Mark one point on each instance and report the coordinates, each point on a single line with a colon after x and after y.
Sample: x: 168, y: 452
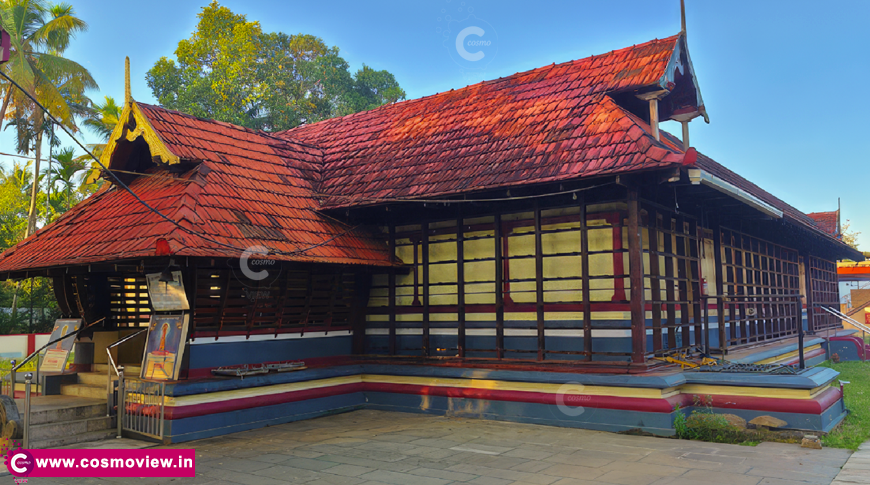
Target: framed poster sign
x: 167, y: 296
x: 54, y: 357
x: 164, y: 347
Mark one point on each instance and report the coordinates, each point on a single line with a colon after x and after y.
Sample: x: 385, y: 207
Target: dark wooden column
x: 424, y: 247
x: 499, y: 289
x: 720, y: 287
x: 635, y: 265
x: 460, y: 284
x: 392, y: 291
x: 362, y: 288
x: 539, y: 281
x: 586, y: 290
x: 808, y: 282
x: 655, y: 281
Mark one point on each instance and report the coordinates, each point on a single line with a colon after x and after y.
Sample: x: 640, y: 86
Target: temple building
x: 503, y: 250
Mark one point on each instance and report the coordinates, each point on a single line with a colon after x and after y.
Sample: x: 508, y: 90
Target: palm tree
x: 39, y: 35
x: 103, y: 121
x: 64, y: 172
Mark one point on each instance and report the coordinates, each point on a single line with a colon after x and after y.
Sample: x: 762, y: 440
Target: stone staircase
x: 77, y: 415
x: 93, y: 384
x: 64, y: 420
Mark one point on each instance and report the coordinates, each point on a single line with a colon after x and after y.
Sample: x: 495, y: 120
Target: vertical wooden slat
x: 362, y: 288
x: 586, y: 289
x: 425, y: 262
x: 499, y: 289
x: 808, y: 283
x: 460, y: 284
x: 635, y: 269
x: 720, y: 307
x: 683, y: 281
x: 701, y: 336
x: 539, y: 281
x: 654, y: 282
x: 392, y: 290
x: 671, y: 307
x: 219, y: 316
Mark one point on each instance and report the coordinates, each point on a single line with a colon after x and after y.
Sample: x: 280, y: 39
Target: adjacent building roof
x: 549, y: 124
x: 828, y: 222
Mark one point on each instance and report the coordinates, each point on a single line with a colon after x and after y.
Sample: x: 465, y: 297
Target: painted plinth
x: 211, y: 407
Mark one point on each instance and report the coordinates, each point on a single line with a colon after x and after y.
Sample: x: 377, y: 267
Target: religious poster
x: 54, y: 357
x: 167, y: 296
x: 164, y: 347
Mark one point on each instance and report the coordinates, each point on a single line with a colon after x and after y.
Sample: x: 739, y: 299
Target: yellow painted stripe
x: 569, y: 389
x: 259, y: 391
x: 787, y: 356
x: 472, y: 383
x: 704, y: 390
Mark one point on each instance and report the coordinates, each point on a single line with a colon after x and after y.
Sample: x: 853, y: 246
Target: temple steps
x: 65, y: 420
x: 84, y: 390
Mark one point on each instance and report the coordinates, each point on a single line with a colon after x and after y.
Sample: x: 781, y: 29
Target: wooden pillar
x: 460, y: 284
x: 586, y: 290
x: 499, y: 289
x: 720, y: 290
x: 539, y: 281
x: 655, y: 282
x: 425, y: 262
x: 808, y: 282
x: 635, y: 265
x: 362, y: 288
x: 392, y: 291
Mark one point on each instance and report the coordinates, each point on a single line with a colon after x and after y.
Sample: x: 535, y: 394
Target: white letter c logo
x: 14, y: 463
x: 460, y: 41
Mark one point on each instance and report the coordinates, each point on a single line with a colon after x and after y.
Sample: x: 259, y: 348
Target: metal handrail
x: 845, y: 318
x: 62, y: 337
x: 118, y: 373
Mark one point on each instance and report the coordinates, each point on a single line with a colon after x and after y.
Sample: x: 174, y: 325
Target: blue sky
x: 783, y: 81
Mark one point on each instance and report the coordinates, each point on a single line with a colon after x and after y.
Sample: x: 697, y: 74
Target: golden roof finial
x: 128, y: 98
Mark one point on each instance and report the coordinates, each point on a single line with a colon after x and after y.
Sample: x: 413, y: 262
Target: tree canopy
x: 232, y: 71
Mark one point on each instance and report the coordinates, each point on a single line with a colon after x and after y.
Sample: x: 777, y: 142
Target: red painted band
x: 813, y: 406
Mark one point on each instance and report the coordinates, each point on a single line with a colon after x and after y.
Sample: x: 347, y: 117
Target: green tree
x: 103, y: 120
x: 40, y: 33
x: 63, y: 173
x: 232, y: 71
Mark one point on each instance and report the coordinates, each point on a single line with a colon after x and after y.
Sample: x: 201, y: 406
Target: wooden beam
x: 539, y: 281
x: 586, y: 290
x: 460, y: 283
x: 720, y: 307
x: 655, y: 288
x: 392, y: 290
x: 499, y: 289
x: 425, y: 262
x: 635, y: 265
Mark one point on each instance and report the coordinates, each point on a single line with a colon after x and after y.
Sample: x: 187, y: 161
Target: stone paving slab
x: 376, y: 448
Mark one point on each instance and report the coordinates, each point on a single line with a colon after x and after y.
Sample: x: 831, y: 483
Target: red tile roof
x: 826, y: 221
x: 252, y: 188
x: 249, y: 189
x: 549, y: 124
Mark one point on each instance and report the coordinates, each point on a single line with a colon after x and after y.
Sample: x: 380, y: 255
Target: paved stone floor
x: 376, y: 448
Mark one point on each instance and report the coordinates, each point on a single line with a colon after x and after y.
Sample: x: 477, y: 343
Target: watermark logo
x: 257, y: 271
x: 471, y: 42
x: 20, y: 463
x: 570, y: 400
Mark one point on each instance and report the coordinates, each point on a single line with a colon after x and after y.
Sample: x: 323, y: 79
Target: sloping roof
x: 826, y: 221
x: 790, y: 213
x: 549, y: 124
x: 249, y: 189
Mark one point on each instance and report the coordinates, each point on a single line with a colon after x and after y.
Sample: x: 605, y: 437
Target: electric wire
x: 296, y: 252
